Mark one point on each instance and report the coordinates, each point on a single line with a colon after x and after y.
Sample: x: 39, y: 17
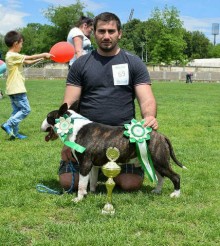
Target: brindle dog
x: 97, y: 138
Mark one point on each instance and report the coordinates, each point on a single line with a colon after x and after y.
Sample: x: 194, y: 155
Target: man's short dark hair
x: 107, y: 17
x: 12, y: 37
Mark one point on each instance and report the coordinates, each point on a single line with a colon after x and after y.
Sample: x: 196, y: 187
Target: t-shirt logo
x: 120, y: 74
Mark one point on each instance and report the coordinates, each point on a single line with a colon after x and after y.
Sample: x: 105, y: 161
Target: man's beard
x: 108, y: 48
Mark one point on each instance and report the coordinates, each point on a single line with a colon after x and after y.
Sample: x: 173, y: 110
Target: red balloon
x: 62, y: 51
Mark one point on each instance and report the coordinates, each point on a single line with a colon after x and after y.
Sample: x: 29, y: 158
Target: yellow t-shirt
x: 15, y: 81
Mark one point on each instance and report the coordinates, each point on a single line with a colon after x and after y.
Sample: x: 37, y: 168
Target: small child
x: 15, y: 84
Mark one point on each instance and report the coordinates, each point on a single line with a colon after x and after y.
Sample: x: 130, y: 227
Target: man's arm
x: 72, y: 94
x: 147, y: 105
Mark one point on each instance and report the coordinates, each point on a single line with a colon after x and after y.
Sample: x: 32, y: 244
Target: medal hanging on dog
x: 138, y: 134
x: 64, y: 127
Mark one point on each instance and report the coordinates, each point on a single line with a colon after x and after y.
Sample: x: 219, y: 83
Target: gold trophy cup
x: 110, y: 170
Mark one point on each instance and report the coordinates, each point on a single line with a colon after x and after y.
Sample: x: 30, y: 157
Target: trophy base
x: 108, y: 209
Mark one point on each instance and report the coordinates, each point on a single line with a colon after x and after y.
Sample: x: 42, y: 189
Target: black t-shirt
x: 108, y: 85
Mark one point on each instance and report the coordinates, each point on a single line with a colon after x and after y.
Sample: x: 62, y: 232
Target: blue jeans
x: 21, y: 109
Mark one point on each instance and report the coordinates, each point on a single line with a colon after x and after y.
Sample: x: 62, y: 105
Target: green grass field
x: 189, y: 114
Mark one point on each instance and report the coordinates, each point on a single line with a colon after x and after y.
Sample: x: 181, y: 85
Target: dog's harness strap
x: 79, y: 118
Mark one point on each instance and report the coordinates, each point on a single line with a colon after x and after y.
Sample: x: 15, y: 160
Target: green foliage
x: 200, y: 45
x: 214, y: 51
x: 154, y: 30
x: 38, y: 38
x: 64, y: 18
x: 160, y: 38
x: 168, y: 44
x: 3, y: 47
x: 133, y: 28
x: 187, y: 36
x: 168, y: 18
x: 167, y: 50
x: 187, y: 114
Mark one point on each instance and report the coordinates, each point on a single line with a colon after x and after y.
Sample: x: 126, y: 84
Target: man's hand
x: 151, y: 121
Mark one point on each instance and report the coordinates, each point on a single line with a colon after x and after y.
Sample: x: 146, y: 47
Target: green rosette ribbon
x: 64, y: 127
x: 139, y: 135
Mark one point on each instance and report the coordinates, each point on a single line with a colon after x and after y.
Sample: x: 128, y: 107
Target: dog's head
x: 49, y: 122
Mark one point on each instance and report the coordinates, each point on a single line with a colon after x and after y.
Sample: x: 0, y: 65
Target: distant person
x: 79, y: 37
x: 189, y: 77
x: 15, y: 84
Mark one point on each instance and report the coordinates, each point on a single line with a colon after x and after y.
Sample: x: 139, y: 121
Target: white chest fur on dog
x: 79, y: 122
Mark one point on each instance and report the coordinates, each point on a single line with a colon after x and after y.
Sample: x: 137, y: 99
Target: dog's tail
x: 173, y: 156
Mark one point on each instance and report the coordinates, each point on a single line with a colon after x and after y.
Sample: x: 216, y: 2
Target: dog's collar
x: 79, y: 118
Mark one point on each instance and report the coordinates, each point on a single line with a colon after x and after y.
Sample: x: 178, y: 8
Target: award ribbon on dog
x: 138, y: 134
x: 64, y: 127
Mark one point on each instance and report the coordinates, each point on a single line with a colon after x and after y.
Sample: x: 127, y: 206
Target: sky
x: 197, y: 15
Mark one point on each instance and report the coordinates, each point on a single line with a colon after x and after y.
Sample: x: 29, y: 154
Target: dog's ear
x: 75, y: 106
x: 52, y: 116
x: 63, y: 109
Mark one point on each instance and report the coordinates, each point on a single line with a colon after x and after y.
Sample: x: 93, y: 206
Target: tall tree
x: 63, y: 18
x: 187, y: 36
x: 37, y: 38
x: 200, y: 45
x: 165, y: 32
x: 128, y: 40
x: 214, y: 51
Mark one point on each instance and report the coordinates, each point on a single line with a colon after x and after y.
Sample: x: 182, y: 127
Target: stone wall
x: 167, y: 73
x: 171, y: 73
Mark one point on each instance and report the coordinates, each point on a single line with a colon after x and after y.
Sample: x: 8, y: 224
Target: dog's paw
x: 93, y: 189
x: 77, y: 199
x: 176, y: 193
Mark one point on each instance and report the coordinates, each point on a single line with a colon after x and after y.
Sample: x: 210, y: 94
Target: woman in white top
x: 79, y: 37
